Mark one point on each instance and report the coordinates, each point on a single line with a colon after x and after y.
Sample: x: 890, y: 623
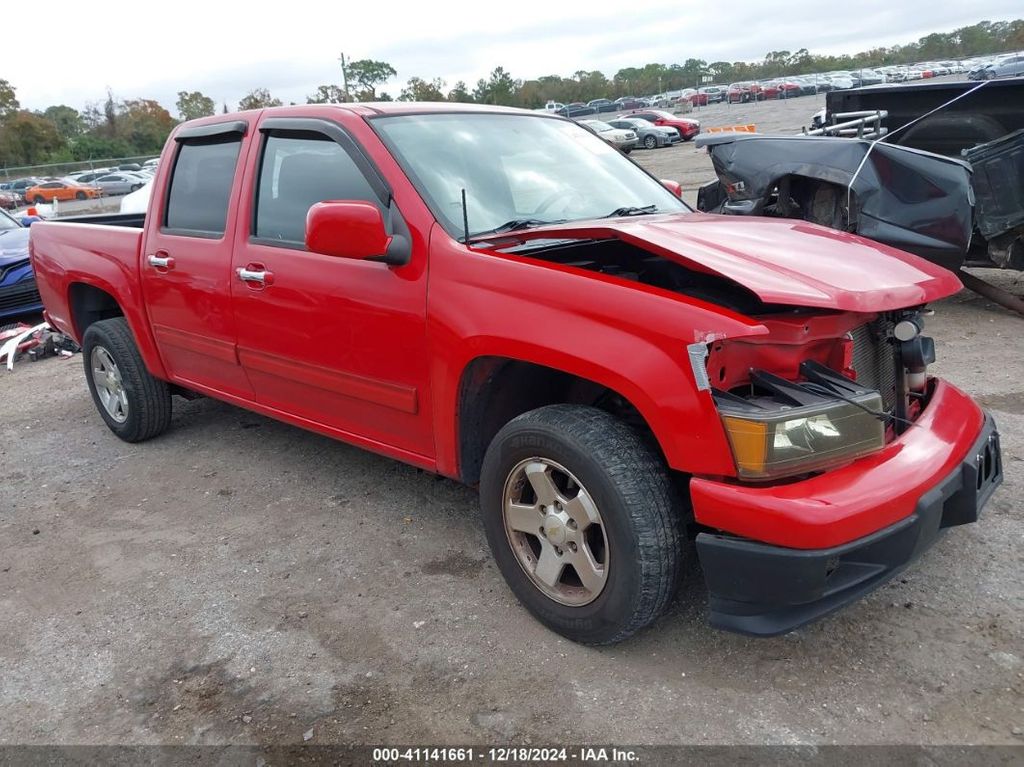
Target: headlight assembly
x: 799, y: 428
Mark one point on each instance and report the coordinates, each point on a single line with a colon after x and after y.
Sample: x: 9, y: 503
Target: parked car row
x: 646, y: 128
x: 790, y: 86
x: 82, y: 185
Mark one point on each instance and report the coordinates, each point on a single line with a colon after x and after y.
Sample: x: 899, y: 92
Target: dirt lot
x: 241, y: 581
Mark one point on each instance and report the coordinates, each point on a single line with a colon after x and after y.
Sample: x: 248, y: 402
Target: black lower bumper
x: 765, y: 590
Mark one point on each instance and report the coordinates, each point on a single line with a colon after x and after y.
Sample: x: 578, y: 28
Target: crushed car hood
x: 782, y: 261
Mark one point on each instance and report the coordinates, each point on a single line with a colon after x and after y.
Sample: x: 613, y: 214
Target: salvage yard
x: 238, y: 580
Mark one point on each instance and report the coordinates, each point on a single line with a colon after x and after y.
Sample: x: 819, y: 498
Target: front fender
x: 621, y: 335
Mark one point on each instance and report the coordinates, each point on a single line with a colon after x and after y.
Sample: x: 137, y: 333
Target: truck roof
x: 379, y: 107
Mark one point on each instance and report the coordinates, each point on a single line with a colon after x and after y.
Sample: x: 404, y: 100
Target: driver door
x: 332, y: 341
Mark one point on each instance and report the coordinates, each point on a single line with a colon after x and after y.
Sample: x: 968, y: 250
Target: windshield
x: 600, y: 127
x: 6, y: 222
x: 516, y: 168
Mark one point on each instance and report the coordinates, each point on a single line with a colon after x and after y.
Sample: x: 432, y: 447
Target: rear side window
x: 300, y: 169
x: 201, y: 186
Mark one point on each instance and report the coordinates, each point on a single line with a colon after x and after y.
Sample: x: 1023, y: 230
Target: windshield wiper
x: 513, y: 225
x: 646, y: 210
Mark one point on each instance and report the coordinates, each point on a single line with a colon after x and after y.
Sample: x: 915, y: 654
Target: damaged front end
x: 912, y: 200
x: 818, y: 392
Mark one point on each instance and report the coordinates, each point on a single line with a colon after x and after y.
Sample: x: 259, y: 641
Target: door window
x: 204, y: 171
x: 297, y: 171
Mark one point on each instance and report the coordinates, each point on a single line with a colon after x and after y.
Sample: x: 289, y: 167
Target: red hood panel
x: 783, y: 261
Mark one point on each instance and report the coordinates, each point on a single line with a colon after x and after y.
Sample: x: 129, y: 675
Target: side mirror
x: 353, y: 229
x: 673, y: 186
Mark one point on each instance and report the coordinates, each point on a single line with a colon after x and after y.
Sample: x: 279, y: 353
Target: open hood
x: 782, y: 261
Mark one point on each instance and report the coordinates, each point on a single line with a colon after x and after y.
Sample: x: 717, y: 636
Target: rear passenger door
x: 186, y: 261
x: 333, y: 341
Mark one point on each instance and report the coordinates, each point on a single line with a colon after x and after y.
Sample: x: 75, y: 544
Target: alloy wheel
x: 109, y: 385
x: 556, y: 531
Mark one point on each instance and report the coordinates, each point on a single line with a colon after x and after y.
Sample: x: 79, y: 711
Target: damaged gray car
x: 919, y: 202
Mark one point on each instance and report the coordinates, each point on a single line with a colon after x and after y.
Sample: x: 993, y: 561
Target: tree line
x: 131, y: 127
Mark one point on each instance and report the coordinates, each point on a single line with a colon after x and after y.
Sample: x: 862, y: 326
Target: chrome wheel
x: 556, y: 531
x: 109, y: 385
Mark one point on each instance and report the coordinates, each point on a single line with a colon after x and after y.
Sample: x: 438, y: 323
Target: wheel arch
x: 95, y: 300
x: 495, y: 388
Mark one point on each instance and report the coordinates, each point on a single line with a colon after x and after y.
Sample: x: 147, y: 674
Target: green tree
x: 258, y: 98
x: 368, y: 75
x: 110, y: 110
x: 499, y: 88
x: 92, y: 116
x: 144, y: 124
x: 28, y: 139
x: 94, y: 147
x: 327, y: 94
x: 193, y: 104
x: 460, y: 93
x: 66, y: 119
x: 8, y: 99
x: 418, y: 89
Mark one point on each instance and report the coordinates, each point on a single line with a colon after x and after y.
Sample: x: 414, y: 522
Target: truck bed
x: 989, y: 113
x: 69, y: 251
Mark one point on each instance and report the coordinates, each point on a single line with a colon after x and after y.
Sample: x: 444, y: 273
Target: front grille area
x: 874, y: 360
x: 23, y: 293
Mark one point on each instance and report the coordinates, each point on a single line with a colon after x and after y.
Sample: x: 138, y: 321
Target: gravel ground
x: 241, y: 581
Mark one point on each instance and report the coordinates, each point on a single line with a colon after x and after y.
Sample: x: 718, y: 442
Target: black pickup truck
x: 945, y: 180
x: 988, y: 113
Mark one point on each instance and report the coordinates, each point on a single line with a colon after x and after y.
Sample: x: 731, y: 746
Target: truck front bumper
x: 762, y: 589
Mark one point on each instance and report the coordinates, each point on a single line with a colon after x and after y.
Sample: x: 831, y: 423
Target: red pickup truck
x: 504, y: 299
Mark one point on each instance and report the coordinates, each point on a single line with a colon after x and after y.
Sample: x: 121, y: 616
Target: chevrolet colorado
x: 500, y: 297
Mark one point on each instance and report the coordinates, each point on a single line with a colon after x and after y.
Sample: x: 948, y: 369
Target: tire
x: 38, y: 199
x: 79, y: 195
x: 146, y: 401
x: 640, y: 530
x: 651, y: 142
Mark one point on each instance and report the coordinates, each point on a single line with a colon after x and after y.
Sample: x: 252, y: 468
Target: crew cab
x: 500, y: 297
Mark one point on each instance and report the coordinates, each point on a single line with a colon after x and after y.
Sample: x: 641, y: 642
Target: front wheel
x: 38, y: 199
x: 650, y: 142
x: 79, y: 195
x: 582, y: 518
x: 134, y: 405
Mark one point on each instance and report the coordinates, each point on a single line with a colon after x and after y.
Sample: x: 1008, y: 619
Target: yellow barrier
x: 731, y: 129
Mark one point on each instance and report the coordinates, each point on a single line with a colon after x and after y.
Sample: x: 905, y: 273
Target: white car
x: 551, y: 107
x: 137, y: 201
x: 623, y: 140
x: 840, y: 82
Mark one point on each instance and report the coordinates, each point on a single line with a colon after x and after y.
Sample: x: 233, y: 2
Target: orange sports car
x: 48, y: 191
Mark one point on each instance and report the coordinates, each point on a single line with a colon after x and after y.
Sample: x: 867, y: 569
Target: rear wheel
x: 38, y: 199
x: 581, y: 517
x: 134, y: 405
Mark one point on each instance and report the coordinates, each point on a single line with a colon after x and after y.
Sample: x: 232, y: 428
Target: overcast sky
x: 71, y: 52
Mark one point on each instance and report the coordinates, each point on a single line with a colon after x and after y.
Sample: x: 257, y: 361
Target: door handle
x: 258, y: 277
x: 160, y: 260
